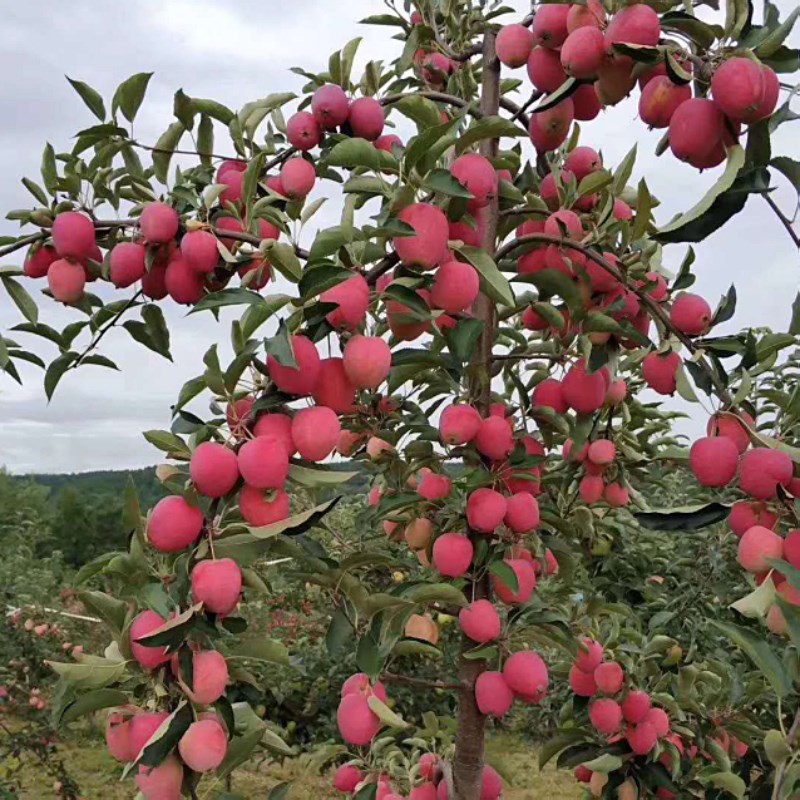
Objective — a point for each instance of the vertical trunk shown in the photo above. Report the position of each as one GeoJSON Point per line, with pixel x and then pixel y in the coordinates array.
{"type": "Point", "coordinates": [470, 733]}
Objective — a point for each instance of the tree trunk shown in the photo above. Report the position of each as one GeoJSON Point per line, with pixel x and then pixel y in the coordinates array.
{"type": "Point", "coordinates": [471, 728]}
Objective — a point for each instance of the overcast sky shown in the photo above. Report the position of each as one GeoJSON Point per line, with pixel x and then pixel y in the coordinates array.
{"type": "Point", "coordinates": [235, 52]}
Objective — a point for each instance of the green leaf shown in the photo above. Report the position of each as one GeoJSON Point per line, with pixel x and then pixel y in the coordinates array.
{"type": "Point", "coordinates": [239, 750]}
{"type": "Point", "coordinates": [569, 87]}
{"type": "Point", "coordinates": [736, 158]}
{"type": "Point", "coordinates": [736, 14]}
{"type": "Point", "coordinates": [441, 180]}
{"type": "Point", "coordinates": [183, 109]}
{"type": "Point", "coordinates": [505, 574]}
{"type": "Point", "coordinates": [35, 190]}
{"type": "Point", "coordinates": [351, 153]}
{"type": "Point", "coordinates": [684, 518]}
{"type": "Point", "coordinates": [730, 782]}
{"type": "Point", "coordinates": [166, 737]}
{"type": "Point", "coordinates": [425, 113]}
{"type": "Point", "coordinates": [493, 283]}
{"type": "Point", "coordinates": [89, 96]}
{"type": "Point", "coordinates": [776, 748]}
{"type": "Point", "coordinates": [49, 169]}
{"type": "Point", "coordinates": [488, 128]}
{"type": "Point", "coordinates": [89, 703]}
{"type": "Point", "coordinates": [554, 746]}
{"type": "Point", "coordinates": [605, 763]}
{"type": "Point", "coordinates": [463, 338]}
{"type": "Point", "coordinates": [129, 95]}
{"type": "Point", "coordinates": [347, 55]}
{"type": "Point", "coordinates": [624, 171]}
{"type": "Point", "coordinates": [282, 256]}
{"type": "Point", "coordinates": [94, 673]}
{"type": "Point", "coordinates": [56, 371]}
{"type": "Point", "coordinates": [174, 631]}
{"type": "Point", "coordinates": [339, 633]}
{"type": "Point", "coordinates": [164, 149]}
{"type": "Point", "coordinates": [385, 714]}
{"type": "Point", "coordinates": [315, 478]}
{"type": "Point", "coordinates": [777, 37]}
{"type": "Point", "coordinates": [228, 297]}
{"type": "Point", "coordinates": [760, 653]}
{"type": "Point", "coordinates": [270, 651]}
{"type": "Point", "coordinates": [171, 444]}
{"type": "Point", "coordinates": [436, 593]}
{"type": "Point", "coordinates": [23, 301]}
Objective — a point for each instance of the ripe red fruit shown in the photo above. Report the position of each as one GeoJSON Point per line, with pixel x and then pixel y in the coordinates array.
{"type": "Point", "coordinates": [495, 438]}
{"type": "Point", "coordinates": [696, 131]}
{"type": "Point", "coordinates": [428, 246]}
{"type": "Point", "coordinates": [583, 52]}
{"type": "Point", "coordinates": [127, 264]}
{"type": "Point", "coordinates": [545, 69]}
{"type": "Point", "coordinates": [756, 546]}
{"type": "Point", "coordinates": [636, 24]}
{"type": "Point", "coordinates": [550, 394]}
{"type": "Point", "coordinates": [434, 487]}
{"type": "Point", "coordinates": [298, 177]}
{"type": "Point", "coordinates": [526, 674]}
{"type": "Point", "coordinates": [745, 515]}
{"type": "Point", "coordinates": [388, 142]}
{"type": "Point", "coordinates": [477, 175]}
{"type": "Point", "coordinates": [593, 13]}
{"type": "Point", "coordinates": [590, 655]}
{"type": "Point", "coordinates": [163, 781]}
{"type": "Point", "coordinates": [479, 620]}
{"type": "Point", "coordinates": [601, 452]}
{"type": "Point", "coordinates": [606, 716]}
{"type": "Point", "coordinates": [635, 706]}
{"type": "Point", "coordinates": [791, 548]}
{"type": "Point", "coordinates": [315, 432]}
{"type": "Point", "coordinates": [66, 281]}
{"type": "Point", "coordinates": [73, 235]}
{"type": "Point", "coordinates": [358, 724]}
{"type": "Point", "coordinates": [209, 677]}
{"type": "Point", "coordinates": [642, 738]}
{"type": "Point", "coordinates": [329, 105]}
{"type": "Point", "coordinates": [234, 183]}
{"type": "Point", "coordinates": [425, 791]}
{"type": "Point", "coordinates": [118, 736]}
{"type": "Point", "coordinates": [199, 251]}
{"type": "Point", "coordinates": [159, 222]}
{"type": "Point", "coordinates": [217, 585]}
{"type": "Point", "coordinates": [582, 391]}
{"type": "Point", "coordinates": [204, 745]}
{"type": "Point", "coordinates": [303, 132]}
{"type": "Point", "coordinates": [690, 314]}
{"type": "Point", "coordinates": [491, 784]}
{"type": "Point", "coordinates": [586, 103]}
{"type": "Point", "coordinates": [258, 510]}
{"type": "Point", "coordinates": [581, 162]}
{"type": "Point", "coordinates": [582, 774]}
{"type": "Point", "coordinates": [359, 683]}
{"type": "Point", "coordinates": [658, 718]}
{"type": "Point", "coordinates": [264, 463]}
{"type": "Point", "coordinates": [591, 489]}
{"type": "Point", "coordinates": [660, 371]}
{"type": "Point", "coordinates": [214, 469]}
{"type": "Point", "coordinates": [352, 296]}
{"type": "Point", "coordinates": [513, 45]}
{"type": "Point", "coordinates": [609, 677]}
{"type": "Point", "coordinates": [38, 261]}
{"type": "Point", "coordinates": [299, 380]}
{"type": "Point", "coordinates": [455, 286]}
{"type": "Point", "coordinates": [485, 509]}
{"type": "Point", "coordinates": [714, 460]}
{"type": "Point", "coordinates": [738, 89]}
{"type": "Point", "coordinates": [772, 89]}
{"type": "Point", "coordinates": [582, 683]}
{"type": "Point", "coordinates": [659, 100]}
{"type": "Point", "coordinates": [614, 80]}
{"type": "Point", "coordinates": [548, 129]}
{"type": "Point", "coordinates": [526, 582]}
{"type": "Point", "coordinates": [366, 118]}
{"type": "Point", "coordinates": [732, 426]}
{"type": "Point", "coordinates": [616, 495]}
{"type": "Point", "coordinates": [173, 524]}
{"type": "Point", "coordinates": [346, 778]}
{"type": "Point", "coordinates": [522, 513]}
{"type": "Point", "coordinates": [452, 555]}
{"type": "Point", "coordinates": [492, 695]}
{"type": "Point", "coordinates": [459, 424]}
{"type": "Point", "coordinates": [762, 470]}
{"type": "Point", "coordinates": [148, 657]}
{"type": "Point", "coordinates": [334, 388]}
{"type": "Point", "coordinates": [550, 25]}
{"type": "Point", "coordinates": [183, 284]}
{"type": "Point", "coordinates": [367, 361]}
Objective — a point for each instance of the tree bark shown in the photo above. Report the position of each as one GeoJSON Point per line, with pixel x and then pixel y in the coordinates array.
{"type": "Point", "coordinates": [471, 724]}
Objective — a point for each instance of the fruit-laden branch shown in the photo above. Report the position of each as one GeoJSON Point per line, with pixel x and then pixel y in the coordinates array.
{"type": "Point", "coordinates": [392, 677]}
{"type": "Point", "coordinates": [20, 243]}
{"type": "Point", "coordinates": [653, 307]}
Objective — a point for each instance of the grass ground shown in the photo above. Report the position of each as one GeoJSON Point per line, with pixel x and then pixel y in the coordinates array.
{"type": "Point", "coordinates": [98, 775]}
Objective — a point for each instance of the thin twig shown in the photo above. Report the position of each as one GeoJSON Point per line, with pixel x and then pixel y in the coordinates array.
{"type": "Point", "coordinates": [391, 677]}
{"type": "Point", "coordinates": [787, 223]}
{"type": "Point", "coordinates": [20, 243]}
{"type": "Point", "coordinates": [653, 307]}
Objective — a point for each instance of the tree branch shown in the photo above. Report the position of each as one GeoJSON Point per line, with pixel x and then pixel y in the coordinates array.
{"type": "Point", "coordinates": [654, 308]}
{"type": "Point", "coordinates": [20, 243]}
{"type": "Point", "coordinates": [391, 677]}
{"type": "Point", "coordinates": [787, 223]}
